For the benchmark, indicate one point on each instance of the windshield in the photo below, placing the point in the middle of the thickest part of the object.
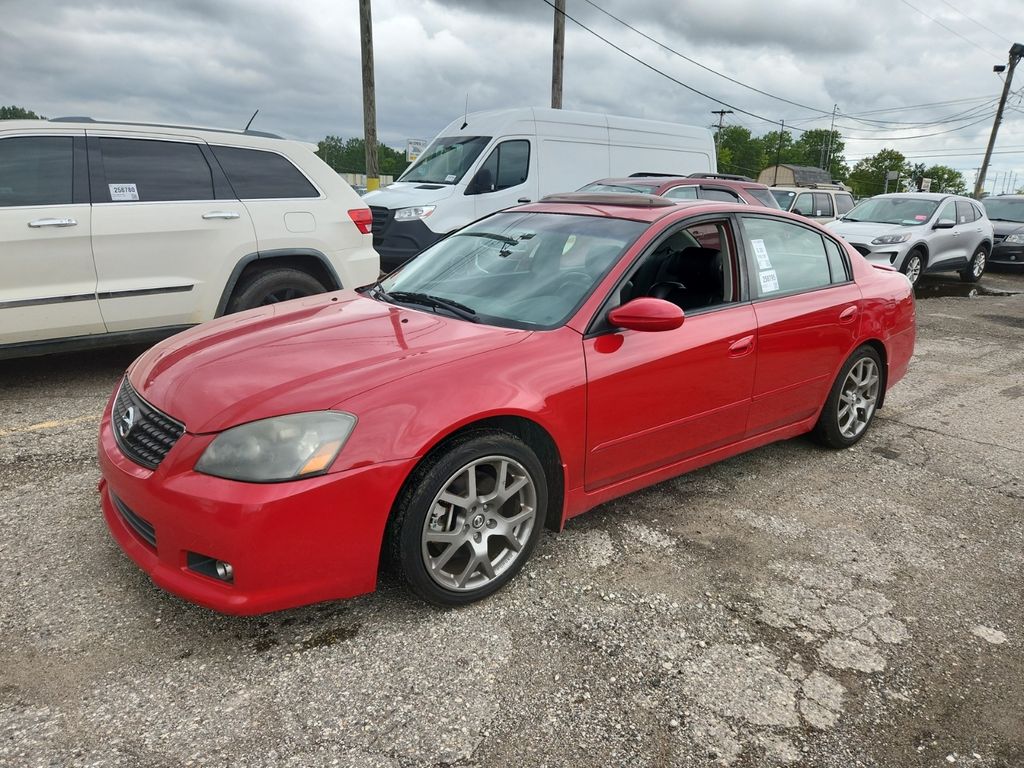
(784, 198)
(1004, 209)
(906, 211)
(446, 160)
(519, 270)
(623, 188)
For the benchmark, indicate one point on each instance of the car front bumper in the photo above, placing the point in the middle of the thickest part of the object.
(1008, 253)
(289, 544)
(892, 255)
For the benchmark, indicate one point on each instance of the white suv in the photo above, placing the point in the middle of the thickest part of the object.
(121, 232)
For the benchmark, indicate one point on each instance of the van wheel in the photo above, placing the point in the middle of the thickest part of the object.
(273, 286)
(975, 267)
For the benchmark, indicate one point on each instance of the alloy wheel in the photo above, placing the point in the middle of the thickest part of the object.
(913, 269)
(858, 398)
(978, 267)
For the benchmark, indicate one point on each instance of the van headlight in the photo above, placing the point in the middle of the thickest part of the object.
(891, 239)
(280, 448)
(415, 213)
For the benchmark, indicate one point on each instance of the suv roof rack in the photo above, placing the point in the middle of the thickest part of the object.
(640, 174)
(723, 176)
(610, 198)
(82, 119)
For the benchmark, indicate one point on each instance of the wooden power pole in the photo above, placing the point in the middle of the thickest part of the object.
(558, 55)
(369, 97)
(1016, 52)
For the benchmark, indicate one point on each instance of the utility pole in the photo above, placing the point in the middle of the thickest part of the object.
(831, 133)
(369, 96)
(558, 55)
(721, 117)
(778, 153)
(1016, 52)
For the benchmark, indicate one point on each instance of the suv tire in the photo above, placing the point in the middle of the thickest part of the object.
(273, 286)
(913, 266)
(976, 266)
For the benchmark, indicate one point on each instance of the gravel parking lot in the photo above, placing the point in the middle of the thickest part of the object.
(789, 606)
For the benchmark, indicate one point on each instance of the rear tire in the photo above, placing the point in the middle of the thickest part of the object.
(913, 266)
(272, 287)
(852, 401)
(976, 266)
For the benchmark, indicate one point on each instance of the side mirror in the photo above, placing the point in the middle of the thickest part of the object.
(481, 183)
(944, 224)
(647, 314)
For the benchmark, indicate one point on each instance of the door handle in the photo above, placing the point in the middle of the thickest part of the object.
(220, 215)
(523, 200)
(741, 347)
(847, 314)
(52, 223)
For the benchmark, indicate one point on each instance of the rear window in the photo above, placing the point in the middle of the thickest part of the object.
(259, 175)
(763, 196)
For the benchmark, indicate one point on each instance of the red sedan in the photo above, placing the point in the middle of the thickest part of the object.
(523, 370)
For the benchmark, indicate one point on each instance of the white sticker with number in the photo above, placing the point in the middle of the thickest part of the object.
(450, 178)
(123, 192)
(769, 281)
(763, 262)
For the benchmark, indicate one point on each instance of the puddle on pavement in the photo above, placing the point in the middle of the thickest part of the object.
(331, 636)
(960, 290)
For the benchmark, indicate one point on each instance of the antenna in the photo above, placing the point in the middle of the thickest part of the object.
(250, 121)
(465, 119)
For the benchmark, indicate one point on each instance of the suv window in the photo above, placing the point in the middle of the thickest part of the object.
(724, 195)
(507, 165)
(146, 170)
(822, 204)
(844, 203)
(804, 204)
(36, 170)
(948, 212)
(965, 212)
(763, 196)
(259, 175)
(785, 257)
(683, 192)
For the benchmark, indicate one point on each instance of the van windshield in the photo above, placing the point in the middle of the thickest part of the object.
(446, 160)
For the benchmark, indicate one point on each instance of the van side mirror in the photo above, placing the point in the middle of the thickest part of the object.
(647, 314)
(481, 183)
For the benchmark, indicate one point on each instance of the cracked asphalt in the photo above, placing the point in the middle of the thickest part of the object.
(792, 606)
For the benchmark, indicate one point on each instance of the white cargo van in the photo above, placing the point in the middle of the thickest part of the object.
(487, 161)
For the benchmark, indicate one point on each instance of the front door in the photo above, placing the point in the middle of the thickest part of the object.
(504, 178)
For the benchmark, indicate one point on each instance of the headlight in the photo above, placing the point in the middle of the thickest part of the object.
(415, 213)
(891, 239)
(1014, 239)
(280, 448)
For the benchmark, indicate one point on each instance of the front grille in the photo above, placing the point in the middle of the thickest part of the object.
(143, 433)
(380, 219)
(862, 250)
(142, 527)
(999, 238)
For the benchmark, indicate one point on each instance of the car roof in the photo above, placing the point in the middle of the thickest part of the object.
(922, 195)
(675, 181)
(647, 208)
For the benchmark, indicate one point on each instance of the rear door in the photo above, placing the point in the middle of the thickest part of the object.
(166, 229)
(47, 276)
(808, 318)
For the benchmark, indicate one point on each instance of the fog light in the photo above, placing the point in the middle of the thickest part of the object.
(224, 570)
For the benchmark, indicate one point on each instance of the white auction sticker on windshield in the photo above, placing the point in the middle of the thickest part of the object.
(769, 281)
(763, 262)
(450, 178)
(123, 192)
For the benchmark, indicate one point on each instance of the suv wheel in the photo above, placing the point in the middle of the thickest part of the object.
(273, 286)
(975, 267)
(913, 266)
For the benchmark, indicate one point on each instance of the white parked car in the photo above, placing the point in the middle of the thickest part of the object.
(122, 232)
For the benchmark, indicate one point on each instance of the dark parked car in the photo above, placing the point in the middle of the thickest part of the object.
(1006, 213)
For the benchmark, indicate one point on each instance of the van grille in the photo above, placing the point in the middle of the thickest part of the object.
(380, 219)
(143, 433)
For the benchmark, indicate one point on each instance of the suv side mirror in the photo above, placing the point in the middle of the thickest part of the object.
(944, 224)
(647, 314)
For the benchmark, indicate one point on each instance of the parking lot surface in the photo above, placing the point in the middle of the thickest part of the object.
(789, 606)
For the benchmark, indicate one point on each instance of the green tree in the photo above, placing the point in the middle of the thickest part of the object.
(811, 147)
(868, 175)
(18, 113)
(740, 152)
(945, 179)
(349, 156)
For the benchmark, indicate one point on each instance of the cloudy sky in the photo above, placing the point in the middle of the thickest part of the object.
(213, 63)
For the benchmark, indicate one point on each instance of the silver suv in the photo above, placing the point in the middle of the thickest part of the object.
(920, 232)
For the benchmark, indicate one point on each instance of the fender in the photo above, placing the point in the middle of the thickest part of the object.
(276, 253)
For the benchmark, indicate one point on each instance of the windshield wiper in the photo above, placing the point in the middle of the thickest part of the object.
(437, 302)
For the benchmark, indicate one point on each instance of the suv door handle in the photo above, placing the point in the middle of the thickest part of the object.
(848, 314)
(52, 223)
(741, 347)
(220, 215)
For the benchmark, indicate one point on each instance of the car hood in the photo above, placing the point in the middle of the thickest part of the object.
(1007, 227)
(303, 355)
(404, 194)
(865, 230)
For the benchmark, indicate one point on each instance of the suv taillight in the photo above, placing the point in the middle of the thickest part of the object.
(362, 218)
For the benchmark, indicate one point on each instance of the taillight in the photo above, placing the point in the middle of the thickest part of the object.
(362, 218)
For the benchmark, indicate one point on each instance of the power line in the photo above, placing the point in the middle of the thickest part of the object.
(948, 29)
(971, 18)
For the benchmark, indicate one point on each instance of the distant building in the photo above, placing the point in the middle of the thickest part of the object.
(786, 175)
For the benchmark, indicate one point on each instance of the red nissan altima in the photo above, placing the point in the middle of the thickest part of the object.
(523, 370)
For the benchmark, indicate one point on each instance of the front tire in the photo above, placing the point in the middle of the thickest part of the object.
(469, 518)
(976, 266)
(852, 401)
(274, 286)
(913, 267)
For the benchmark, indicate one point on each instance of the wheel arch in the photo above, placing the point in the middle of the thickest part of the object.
(879, 346)
(308, 260)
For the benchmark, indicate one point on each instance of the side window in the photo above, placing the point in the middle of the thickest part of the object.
(836, 263)
(145, 170)
(965, 212)
(36, 170)
(256, 174)
(723, 195)
(684, 192)
(948, 212)
(507, 166)
(785, 257)
(763, 196)
(844, 203)
(804, 204)
(979, 213)
(693, 267)
(822, 204)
